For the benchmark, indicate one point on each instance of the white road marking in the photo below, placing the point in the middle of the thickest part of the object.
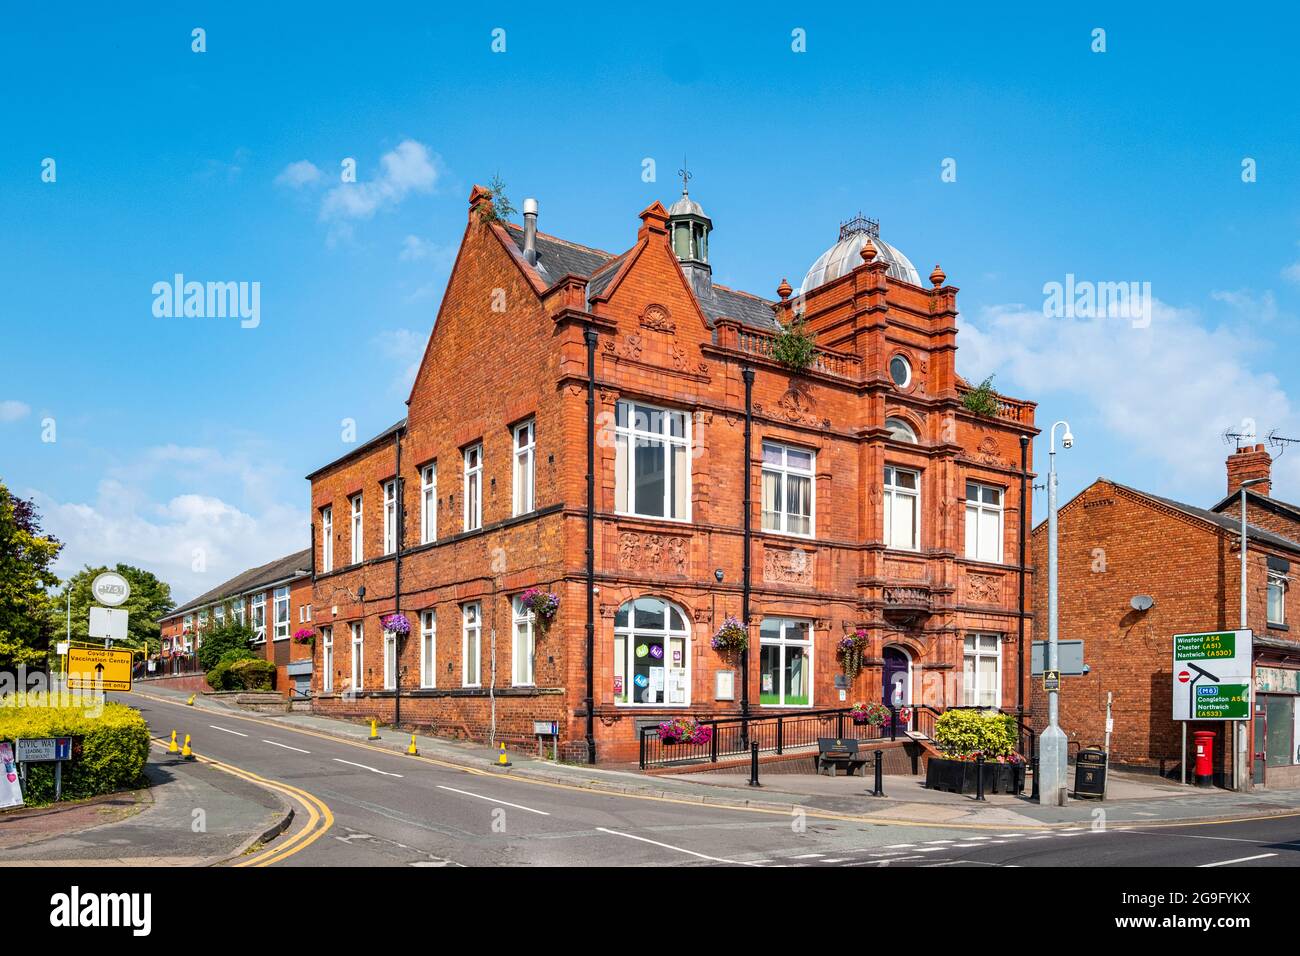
(1241, 859)
(1010, 834)
(1038, 838)
(837, 860)
(275, 743)
(807, 856)
(225, 731)
(669, 846)
(900, 846)
(364, 767)
(930, 849)
(933, 842)
(517, 806)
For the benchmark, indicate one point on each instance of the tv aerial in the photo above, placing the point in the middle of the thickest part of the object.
(1236, 438)
(1280, 442)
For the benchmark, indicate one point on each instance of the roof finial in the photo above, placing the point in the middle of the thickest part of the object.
(685, 174)
(937, 277)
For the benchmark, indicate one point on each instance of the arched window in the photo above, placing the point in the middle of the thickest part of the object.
(652, 646)
(899, 430)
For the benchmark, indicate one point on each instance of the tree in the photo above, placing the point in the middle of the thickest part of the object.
(218, 639)
(25, 578)
(150, 599)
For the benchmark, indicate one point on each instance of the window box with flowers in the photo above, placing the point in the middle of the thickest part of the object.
(684, 730)
(305, 635)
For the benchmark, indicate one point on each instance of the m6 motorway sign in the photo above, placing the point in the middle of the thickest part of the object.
(1212, 675)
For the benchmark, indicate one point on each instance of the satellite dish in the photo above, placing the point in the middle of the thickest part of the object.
(1142, 602)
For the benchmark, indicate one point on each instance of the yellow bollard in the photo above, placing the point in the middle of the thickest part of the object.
(186, 752)
(501, 757)
(411, 751)
(190, 702)
(172, 748)
(374, 729)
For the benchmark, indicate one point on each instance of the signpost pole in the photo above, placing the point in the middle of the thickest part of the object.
(1240, 779)
(1053, 747)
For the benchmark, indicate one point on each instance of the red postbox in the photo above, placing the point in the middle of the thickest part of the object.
(1204, 757)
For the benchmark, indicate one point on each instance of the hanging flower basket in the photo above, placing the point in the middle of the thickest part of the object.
(399, 624)
(684, 730)
(873, 714)
(304, 635)
(732, 636)
(543, 605)
(851, 650)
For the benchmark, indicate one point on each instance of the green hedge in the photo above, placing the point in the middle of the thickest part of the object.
(964, 732)
(115, 744)
(242, 671)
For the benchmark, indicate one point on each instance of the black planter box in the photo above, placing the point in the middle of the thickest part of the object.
(959, 776)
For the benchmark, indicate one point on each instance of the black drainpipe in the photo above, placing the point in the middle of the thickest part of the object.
(400, 517)
(1024, 520)
(748, 375)
(589, 336)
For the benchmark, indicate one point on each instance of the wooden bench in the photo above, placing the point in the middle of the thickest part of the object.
(836, 752)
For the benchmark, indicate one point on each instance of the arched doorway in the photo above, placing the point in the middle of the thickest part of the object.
(896, 676)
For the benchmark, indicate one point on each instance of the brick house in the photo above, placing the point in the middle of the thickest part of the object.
(1116, 542)
(876, 499)
(274, 599)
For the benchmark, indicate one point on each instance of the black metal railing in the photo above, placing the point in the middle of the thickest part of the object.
(734, 737)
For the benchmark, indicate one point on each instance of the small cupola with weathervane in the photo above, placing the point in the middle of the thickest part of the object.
(689, 229)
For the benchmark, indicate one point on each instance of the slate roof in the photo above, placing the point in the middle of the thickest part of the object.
(290, 566)
(1225, 522)
(556, 258)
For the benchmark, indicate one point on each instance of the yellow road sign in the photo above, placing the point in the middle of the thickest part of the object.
(94, 668)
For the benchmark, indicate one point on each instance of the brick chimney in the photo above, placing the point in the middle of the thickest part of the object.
(1246, 463)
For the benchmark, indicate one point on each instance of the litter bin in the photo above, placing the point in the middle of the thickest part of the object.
(1090, 773)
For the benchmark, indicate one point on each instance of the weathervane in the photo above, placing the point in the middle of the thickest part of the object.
(684, 173)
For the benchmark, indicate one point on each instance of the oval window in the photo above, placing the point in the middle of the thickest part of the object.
(900, 370)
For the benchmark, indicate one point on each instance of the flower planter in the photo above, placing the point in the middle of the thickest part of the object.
(959, 776)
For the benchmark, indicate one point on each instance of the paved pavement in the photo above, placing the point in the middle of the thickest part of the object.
(364, 803)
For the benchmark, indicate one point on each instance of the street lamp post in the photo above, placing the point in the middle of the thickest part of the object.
(1053, 753)
(1239, 763)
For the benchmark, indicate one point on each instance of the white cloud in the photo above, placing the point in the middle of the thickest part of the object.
(405, 348)
(299, 174)
(193, 538)
(415, 249)
(1250, 306)
(1292, 272)
(1165, 393)
(411, 167)
(12, 410)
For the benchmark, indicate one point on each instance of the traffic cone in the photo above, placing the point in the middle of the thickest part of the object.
(411, 751)
(374, 729)
(501, 757)
(190, 702)
(186, 752)
(172, 748)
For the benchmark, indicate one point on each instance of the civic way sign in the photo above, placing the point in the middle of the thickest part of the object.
(1211, 675)
(93, 668)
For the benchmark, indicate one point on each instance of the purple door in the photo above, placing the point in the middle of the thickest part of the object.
(894, 681)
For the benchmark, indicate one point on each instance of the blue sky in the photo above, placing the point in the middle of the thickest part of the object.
(177, 434)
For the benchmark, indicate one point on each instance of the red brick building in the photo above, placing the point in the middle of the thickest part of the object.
(1117, 542)
(274, 600)
(876, 499)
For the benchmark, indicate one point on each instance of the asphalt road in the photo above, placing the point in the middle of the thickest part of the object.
(363, 806)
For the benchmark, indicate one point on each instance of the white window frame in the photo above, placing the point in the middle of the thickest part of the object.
(390, 660)
(358, 672)
(429, 503)
(907, 363)
(782, 641)
(237, 611)
(259, 617)
(327, 659)
(784, 471)
(390, 516)
(471, 629)
(523, 645)
(893, 493)
(628, 436)
(472, 505)
(1279, 580)
(429, 648)
(218, 615)
(188, 625)
(631, 635)
(525, 467)
(327, 539)
(977, 509)
(970, 685)
(357, 504)
(901, 430)
(280, 597)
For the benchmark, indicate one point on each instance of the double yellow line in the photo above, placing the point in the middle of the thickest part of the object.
(319, 816)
